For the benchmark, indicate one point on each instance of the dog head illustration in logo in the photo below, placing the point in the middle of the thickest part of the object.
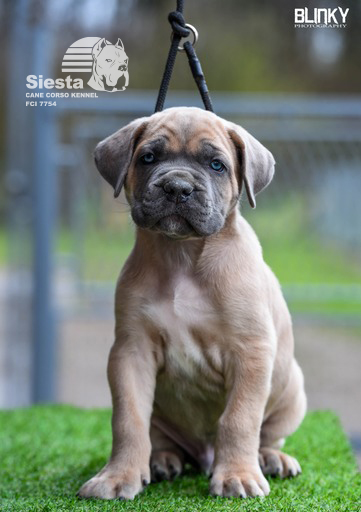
(110, 63)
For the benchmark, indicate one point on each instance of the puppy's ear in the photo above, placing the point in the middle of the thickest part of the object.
(119, 44)
(257, 164)
(97, 48)
(113, 155)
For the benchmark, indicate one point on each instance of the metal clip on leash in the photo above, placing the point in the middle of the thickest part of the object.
(181, 29)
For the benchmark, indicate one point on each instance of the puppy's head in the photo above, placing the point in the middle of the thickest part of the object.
(183, 170)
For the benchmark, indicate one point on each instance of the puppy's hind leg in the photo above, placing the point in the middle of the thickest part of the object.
(167, 458)
(282, 422)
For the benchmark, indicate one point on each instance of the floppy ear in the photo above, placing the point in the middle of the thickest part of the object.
(119, 44)
(256, 162)
(97, 48)
(113, 155)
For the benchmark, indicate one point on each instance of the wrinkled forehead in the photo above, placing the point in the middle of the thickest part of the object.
(186, 131)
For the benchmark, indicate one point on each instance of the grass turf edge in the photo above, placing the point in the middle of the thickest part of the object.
(47, 452)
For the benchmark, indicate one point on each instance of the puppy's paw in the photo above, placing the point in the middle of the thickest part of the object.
(238, 481)
(274, 462)
(115, 482)
(165, 465)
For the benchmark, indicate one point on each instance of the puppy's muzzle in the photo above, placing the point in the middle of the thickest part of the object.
(177, 190)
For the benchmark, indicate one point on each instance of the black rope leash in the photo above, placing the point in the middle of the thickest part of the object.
(180, 30)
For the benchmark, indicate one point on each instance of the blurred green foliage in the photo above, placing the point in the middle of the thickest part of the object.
(3, 247)
(290, 246)
(294, 251)
(244, 46)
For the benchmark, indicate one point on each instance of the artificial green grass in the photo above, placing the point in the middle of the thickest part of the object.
(47, 452)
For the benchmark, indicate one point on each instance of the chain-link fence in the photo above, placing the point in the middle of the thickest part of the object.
(308, 219)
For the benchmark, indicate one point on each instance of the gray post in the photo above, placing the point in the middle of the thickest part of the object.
(44, 210)
(15, 360)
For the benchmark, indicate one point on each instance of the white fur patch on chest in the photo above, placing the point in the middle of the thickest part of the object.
(186, 308)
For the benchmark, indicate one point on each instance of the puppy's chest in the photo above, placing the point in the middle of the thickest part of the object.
(186, 321)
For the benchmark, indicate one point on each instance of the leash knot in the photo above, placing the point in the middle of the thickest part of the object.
(177, 22)
(180, 30)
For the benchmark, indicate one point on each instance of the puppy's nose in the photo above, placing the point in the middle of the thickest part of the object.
(177, 190)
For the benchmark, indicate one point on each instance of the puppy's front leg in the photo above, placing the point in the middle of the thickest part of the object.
(132, 375)
(236, 471)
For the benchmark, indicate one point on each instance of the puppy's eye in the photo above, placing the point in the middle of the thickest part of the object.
(108, 60)
(217, 165)
(148, 158)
